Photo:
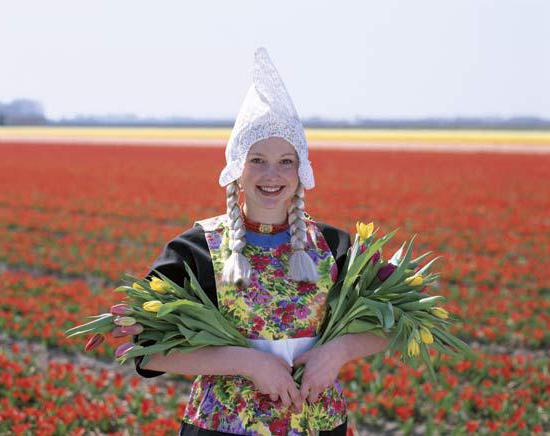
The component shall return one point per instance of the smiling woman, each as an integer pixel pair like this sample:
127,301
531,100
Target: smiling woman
267,266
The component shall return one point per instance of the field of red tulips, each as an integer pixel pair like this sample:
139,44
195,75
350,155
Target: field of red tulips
74,219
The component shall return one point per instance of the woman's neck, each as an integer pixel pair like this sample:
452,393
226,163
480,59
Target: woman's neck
266,216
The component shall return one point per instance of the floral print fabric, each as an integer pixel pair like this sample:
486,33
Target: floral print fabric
272,307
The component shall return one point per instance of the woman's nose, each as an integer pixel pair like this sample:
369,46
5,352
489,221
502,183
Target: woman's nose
272,170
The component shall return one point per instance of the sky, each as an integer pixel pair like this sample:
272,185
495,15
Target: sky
339,59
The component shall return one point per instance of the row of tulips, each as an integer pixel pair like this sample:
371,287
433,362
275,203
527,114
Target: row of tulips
381,393
97,227
62,398
517,320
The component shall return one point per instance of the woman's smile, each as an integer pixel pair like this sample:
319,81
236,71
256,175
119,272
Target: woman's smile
270,190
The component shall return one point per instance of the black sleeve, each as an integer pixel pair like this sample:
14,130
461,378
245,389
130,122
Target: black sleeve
339,241
191,247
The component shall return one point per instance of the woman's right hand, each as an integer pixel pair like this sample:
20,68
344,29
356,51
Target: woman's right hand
272,376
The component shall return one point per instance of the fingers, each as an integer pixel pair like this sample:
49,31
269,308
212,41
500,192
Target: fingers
295,397
284,363
301,359
313,395
274,397
285,398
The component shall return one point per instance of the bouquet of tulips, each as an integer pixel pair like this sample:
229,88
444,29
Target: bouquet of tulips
176,318
387,298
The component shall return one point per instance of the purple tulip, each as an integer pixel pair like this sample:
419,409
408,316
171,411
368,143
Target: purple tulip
94,342
124,348
386,271
375,258
121,309
121,331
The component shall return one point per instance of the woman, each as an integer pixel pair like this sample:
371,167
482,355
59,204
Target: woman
268,267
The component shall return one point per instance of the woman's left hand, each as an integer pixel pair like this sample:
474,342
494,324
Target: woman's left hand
322,365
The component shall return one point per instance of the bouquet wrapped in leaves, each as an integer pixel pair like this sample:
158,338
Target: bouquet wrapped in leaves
176,318
387,298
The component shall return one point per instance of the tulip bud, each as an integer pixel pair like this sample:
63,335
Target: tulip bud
440,312
364,230
121,309
121,331
124,348
386,271
124,321
159,285
374,258
426,335
415,280
152,306
94,342
412,348
137,286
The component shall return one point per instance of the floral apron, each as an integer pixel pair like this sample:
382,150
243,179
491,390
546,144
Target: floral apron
272,307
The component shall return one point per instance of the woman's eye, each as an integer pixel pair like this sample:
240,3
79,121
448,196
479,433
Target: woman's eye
287,161
256,160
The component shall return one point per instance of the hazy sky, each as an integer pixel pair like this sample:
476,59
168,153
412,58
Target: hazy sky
338,59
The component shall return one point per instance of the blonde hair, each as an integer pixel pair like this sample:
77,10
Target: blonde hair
237,269
301,265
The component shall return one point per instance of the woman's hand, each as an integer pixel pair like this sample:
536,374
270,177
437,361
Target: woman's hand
272,376
322,365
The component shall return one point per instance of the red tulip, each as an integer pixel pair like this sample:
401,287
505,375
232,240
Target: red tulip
94,342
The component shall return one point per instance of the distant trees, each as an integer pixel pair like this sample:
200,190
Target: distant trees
22,111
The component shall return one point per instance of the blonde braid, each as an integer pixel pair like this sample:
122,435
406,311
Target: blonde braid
301,265
236,269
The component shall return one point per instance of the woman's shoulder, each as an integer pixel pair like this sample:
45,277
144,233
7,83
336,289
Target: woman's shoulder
212,223
335,234
337,239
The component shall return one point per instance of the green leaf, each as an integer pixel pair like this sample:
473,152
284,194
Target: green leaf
195,285
105,320
207,338
426,358
151,334
174,305
396,276
425,267
171,335
360,326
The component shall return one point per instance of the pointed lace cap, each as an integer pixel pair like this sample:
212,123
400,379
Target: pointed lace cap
267,110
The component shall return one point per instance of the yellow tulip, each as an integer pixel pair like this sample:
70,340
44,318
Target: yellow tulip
159,285
440,312
152,306
364,230
426,335
412,348
137,286
415,280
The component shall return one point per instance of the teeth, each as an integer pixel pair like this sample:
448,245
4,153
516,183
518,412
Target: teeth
270,189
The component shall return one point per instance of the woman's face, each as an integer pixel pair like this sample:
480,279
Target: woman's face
269,180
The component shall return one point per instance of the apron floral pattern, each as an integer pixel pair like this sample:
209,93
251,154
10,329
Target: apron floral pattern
272,307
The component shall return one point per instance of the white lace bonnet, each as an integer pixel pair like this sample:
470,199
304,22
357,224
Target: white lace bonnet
266,111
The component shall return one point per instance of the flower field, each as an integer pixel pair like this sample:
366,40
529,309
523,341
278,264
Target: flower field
74,219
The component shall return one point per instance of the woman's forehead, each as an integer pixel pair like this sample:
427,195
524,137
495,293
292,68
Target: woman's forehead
273,146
